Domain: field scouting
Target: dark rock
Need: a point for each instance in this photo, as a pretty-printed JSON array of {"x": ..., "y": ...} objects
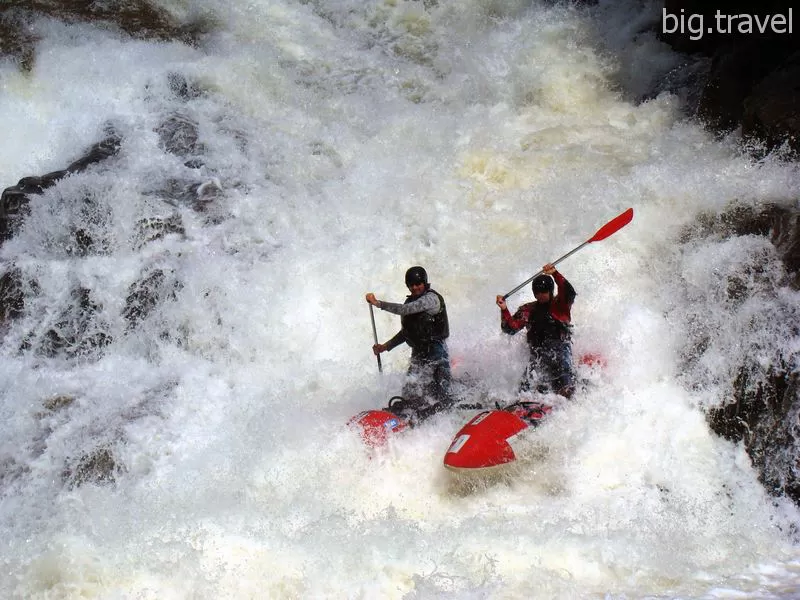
[
  {"x": 37, "y": 185},
  {"x": 99, "y": 152},
  {"x": 16, "y": 39},
  {"x": 90, "y": 234},
  {"x": 137, "y": 18},
  {"x": 155, "y": 228},
  {"x": 143, "y": 297},
  {"x": 786, "y": 238},
  {"x": 99, "y": 467},
  {"x": 15, "y": 200},
  {"x": 145, "y": 294},
  {"x": 197, "y": 195},
  {"x": 206, "y": 193},
  {"x": 771, "y": 113},
  {"x": 57, "y": 403},
  {"x": 194, "y": 163},
  {"x": 183, "y": 88},
  {"x": 763, "y": 407},
  {"x": 78, "y": 331},
  {"x": 750, "y": 83},
  {"x": 84, "y": 244},
  {"x": 13, "y": 210},
  {"x": 686, "y": 82},
  {"x": 179, "y": 136},
  {"x": 736, "y": 220},
  {"x": 734, "y": 71},
  {"x": 12, "y": 296},
  {"x": 763, "y": 414},
  {"x": 780, "y": 223}
]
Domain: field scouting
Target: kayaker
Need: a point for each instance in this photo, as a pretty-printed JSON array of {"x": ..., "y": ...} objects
[
  {"x": 424, "y": 327},
  {"x": 548, "y": 321}
]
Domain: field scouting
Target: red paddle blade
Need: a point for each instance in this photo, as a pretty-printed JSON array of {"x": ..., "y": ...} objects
[{"x": 613, "y": 226}]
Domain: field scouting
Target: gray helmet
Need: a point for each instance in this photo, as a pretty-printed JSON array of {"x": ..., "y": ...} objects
[{"x": 416, "y": 275}]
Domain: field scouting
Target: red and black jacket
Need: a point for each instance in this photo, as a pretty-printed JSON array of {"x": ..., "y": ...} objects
[{"x": 544, "y": 322}]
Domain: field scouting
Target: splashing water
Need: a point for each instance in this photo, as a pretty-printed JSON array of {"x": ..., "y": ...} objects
[{"x": 351, "y": 140}]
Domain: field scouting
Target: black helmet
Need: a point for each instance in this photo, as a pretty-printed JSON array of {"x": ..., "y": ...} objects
[
  {"x": 543, "y": 283},
  {"x": 416, "y": 275}
]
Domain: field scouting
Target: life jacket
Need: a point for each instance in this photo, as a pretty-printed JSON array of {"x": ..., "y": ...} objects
[
  {"x": 422, "y": 328},
  {"x": 543, "y": 327}
]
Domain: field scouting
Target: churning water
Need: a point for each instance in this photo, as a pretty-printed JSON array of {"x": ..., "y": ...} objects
[{"x": 352, "y": 140}]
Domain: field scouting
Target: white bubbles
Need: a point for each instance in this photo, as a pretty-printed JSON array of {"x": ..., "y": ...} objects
[{"x": 344, "y": 142}]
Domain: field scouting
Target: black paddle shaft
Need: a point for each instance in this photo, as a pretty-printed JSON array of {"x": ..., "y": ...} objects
[
  {"x": 375, "y": 337},
  {"x": 606, "y": 230},
  {"x": 554, "y": 263}
]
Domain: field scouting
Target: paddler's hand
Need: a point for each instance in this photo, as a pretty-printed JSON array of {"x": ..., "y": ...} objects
[
  {"x": 378, "y": 348},
  {"x": 501, "y": 303},
  {"x": 548, "y": 269},
  {"x": 372, "y": 299}
]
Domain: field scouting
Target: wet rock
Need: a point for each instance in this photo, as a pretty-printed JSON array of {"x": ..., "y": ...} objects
[
  {"x": 57, "y": 403},
  {"x": 16, "y": 40},
  {"x": 764, "y": 403},
  {"x": 183, "y": 88},
  {"x": 197, "y": 195},
  {"x": 206, "y": 193},
  {"x": 686, "y": 82},
  {"x": 137, "y": 18},
  {"x": 733, "y": 73},
  {"x": 99, "y": 152},
  {"x": 99, "y": 466},
  {"x": 15, "y": 200},
  {"x": 763, "y": 413},
  {"x": 13, "y": 210},
  {"x": 48, "y": 420},
  {"x": 179, "y": 136},
  {"x": 154, "y": 228},
  {"x": 145, "y": 295},
  {"x": 736, "y": 220},
  {"x": 12, "y": 295},
  {"x": 78, "y": 330},
  {"x": 771, "y": 113},
  {"x": 786, "y": 238},
  {"x": 749, "y": 83}
]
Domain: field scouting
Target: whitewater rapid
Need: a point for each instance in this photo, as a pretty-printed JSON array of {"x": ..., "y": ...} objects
[{"x": 352, "y": 140}]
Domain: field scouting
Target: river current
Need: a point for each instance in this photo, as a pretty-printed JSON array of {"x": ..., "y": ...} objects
[{"x": 352, "y": 140}]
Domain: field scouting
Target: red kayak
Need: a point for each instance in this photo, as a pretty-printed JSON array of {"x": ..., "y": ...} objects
[
  {"x": 488, "y": 439},
  {"x": 375, "y": 426}
]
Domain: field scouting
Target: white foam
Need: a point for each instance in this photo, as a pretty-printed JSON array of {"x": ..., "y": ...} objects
[{"x": 351, "y": 141}]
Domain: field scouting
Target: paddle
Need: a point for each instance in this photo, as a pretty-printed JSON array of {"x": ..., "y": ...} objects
[
  {"x": 605, "y": 231},
  {"x": 375, "y": 335}
]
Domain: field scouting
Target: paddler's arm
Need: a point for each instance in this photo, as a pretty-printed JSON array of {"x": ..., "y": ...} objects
[
  {"x": 399, "y": 337},
  {"x": 426, "y": 303},
  {"x": 564, "y": 287},
  {"x": 509, "y": 324}
]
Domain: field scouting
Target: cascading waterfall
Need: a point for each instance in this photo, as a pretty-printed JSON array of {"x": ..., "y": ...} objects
[{"x": 194, "y": 334}]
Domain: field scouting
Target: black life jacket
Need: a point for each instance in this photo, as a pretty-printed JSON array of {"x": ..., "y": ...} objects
[
  {"x": 422, "y": 328},
  {"x": 543, "y": 327}
]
